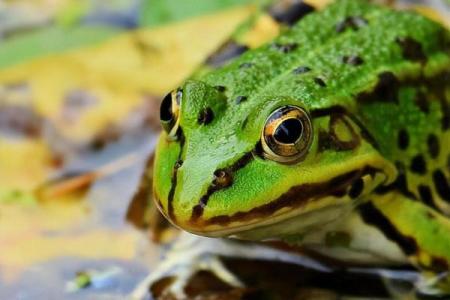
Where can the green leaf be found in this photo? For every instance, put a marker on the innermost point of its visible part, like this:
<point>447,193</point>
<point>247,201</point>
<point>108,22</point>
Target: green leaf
<point>157,12</point>
<point>50,41</point>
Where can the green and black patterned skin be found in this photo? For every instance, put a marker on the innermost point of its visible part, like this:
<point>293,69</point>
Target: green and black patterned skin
<point>340,127</point>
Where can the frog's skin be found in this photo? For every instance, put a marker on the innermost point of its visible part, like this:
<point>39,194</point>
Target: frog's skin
<point>370,181</point>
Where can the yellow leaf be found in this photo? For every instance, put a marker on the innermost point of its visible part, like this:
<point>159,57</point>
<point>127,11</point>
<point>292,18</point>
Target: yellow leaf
<point>120,72</point>
<point>24,164</point>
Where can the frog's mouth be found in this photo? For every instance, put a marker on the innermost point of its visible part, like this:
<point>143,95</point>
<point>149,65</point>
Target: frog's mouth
<point>316,203</point>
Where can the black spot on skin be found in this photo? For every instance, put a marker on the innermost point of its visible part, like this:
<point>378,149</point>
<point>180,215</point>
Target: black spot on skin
<point>403,139</point>
<point>411,49</point>
<point>385,90</point>
<point>422,102</point>
<point>433,145</point>
<point>301,70</point>
<point>442,185</point>
<point>353,23</point>
<point>240,99</point>
<point>285,48</point>
<point>418,164</point>
<point>205,116</point>
<point>246,65</point>
<point>290,14</point>
<point>319,81</point>
<point>371,215</point>
<point>356,188</point>
<point>220,88</point>
<point>426,196</point>
<point>222,179</point>
<point>176,166</point>
<point>353,60</point>
<point>439,265</point>
<point>226,53</point>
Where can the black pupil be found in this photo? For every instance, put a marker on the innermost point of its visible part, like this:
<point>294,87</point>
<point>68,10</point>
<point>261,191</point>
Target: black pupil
<point>289,131</point>
<point>165,112</point>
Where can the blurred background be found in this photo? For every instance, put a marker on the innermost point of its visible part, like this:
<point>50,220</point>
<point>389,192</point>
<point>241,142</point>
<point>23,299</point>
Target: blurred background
<point>80,85</point>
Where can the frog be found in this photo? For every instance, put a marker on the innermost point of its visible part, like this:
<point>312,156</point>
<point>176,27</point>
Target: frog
<point>333,137</point>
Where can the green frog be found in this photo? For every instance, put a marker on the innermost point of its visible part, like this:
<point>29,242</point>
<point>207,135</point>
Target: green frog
<point>334,137</point>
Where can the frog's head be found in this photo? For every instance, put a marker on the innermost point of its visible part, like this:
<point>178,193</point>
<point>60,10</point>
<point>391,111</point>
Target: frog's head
<point>260,166</point>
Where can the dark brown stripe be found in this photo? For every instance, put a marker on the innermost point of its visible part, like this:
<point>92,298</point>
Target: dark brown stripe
<point>330,140</point>
<point>340,144</point>
<point>295,197</point>
<point>365,134</point>
<point>372,216</point>
<point>323,112</point>
<point>385,90</point>
<point>216,185</point>
<point>400,184</point>
<point>174,177</point>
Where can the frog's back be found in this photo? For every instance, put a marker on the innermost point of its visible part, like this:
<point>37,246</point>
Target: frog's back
<point>387,70</point>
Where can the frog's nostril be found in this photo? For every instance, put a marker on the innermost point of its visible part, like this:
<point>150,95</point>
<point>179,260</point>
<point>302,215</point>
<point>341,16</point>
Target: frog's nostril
<point>222,179</point>
<point>205,116</point>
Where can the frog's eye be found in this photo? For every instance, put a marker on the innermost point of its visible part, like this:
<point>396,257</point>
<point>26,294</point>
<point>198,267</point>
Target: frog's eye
<point>169,112</point>
<point>287,135</point>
